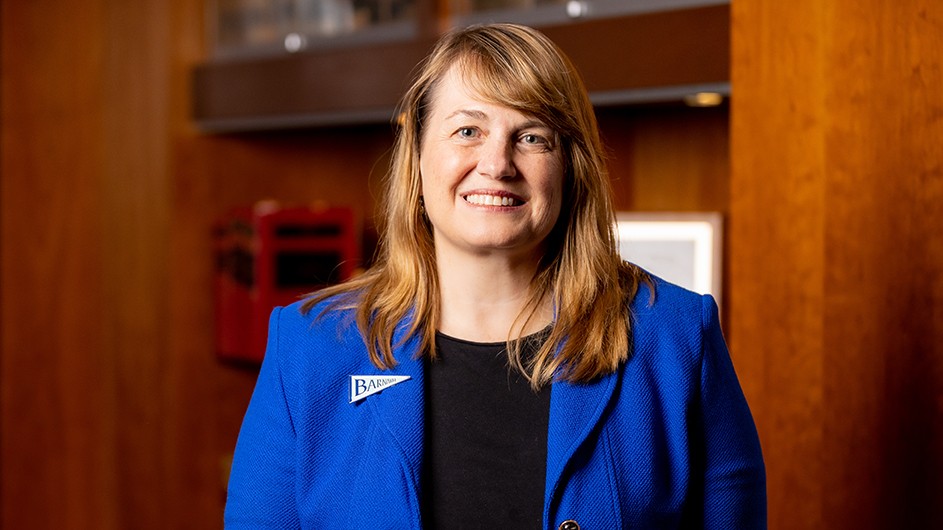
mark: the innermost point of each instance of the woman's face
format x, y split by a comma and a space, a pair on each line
492, 178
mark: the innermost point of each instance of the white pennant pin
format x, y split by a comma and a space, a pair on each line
362, 386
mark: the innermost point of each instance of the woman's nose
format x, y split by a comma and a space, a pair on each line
496, 159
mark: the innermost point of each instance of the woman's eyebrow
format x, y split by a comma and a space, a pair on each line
481, 115
535, 123
475, 114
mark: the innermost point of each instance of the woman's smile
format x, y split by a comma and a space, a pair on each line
493, 199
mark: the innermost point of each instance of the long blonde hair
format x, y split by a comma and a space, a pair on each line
581, 271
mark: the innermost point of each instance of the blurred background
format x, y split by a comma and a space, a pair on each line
130, 128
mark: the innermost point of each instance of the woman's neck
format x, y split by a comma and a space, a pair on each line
481, 297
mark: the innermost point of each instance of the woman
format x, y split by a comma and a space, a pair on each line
499, 365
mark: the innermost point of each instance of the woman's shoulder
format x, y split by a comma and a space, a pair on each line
659, 298
324, 333
314, 313
666, 316
302, 315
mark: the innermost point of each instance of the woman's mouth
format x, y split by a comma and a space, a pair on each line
482, 199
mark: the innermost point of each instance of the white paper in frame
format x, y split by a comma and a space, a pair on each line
682, 248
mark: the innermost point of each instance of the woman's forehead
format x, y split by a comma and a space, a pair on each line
461, 76
455, 99
465, 79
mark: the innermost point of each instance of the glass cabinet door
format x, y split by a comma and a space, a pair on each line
259, 27
266, 27
548, 12
487, 5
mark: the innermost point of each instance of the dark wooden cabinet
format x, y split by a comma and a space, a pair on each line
654, 56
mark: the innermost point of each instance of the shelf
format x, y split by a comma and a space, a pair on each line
625, 60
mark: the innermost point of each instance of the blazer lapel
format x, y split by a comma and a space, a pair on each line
400, 408
575, 411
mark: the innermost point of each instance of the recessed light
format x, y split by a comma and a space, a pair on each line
704, 99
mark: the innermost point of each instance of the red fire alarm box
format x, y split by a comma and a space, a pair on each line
268, 256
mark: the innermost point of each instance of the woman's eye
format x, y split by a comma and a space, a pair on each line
466, 132
535, 140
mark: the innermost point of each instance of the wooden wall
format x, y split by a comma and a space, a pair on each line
86, 205
836, 200
114, 412
668, 158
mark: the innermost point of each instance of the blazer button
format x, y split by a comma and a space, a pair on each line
569, 524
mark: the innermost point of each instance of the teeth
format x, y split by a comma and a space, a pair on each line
490, 200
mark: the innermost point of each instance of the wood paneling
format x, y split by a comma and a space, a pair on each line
136, 209
349, 85
836, 260
56, 469
663, 48
667, 158
115, 411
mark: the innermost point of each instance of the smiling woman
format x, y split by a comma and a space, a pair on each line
523, 375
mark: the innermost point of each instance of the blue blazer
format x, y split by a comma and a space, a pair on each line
665, 442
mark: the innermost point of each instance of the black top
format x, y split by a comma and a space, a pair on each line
486, 439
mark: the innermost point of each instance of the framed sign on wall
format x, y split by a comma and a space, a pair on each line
683, 248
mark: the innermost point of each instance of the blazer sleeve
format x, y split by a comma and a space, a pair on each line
734, 486
261, 490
